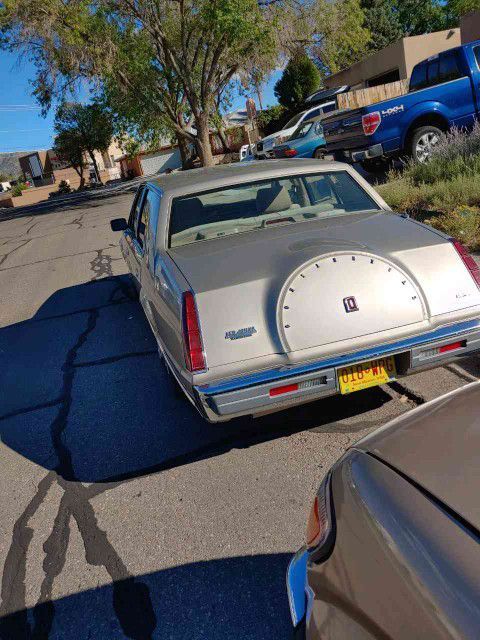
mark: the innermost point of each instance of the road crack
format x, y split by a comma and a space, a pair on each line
131, 597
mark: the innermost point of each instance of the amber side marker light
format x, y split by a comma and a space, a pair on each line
320, 525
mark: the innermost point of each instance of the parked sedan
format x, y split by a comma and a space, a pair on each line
265, 147
393, 538
270, 284
306, 142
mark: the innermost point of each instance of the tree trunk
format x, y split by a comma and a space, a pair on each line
203, 141
187, 153
94, 160
223, 139
79, 169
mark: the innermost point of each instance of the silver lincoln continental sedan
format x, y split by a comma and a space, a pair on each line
273, 284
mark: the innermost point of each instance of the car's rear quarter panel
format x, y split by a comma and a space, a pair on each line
400, 567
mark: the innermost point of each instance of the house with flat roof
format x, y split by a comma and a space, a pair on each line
396, 61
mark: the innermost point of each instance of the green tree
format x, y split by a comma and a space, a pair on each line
89, 124
299, 79
417, 17
341, 37
457, 8
68, 147
190, 49
381, 19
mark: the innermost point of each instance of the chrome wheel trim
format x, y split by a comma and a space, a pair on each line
425, 143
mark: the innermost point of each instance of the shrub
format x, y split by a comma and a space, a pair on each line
64, 187
462, 223
456, 154
272, 119
18, 188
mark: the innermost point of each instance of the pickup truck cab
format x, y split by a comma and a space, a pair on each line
444, 91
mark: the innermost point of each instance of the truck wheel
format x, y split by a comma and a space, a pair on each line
319, 153
422, 142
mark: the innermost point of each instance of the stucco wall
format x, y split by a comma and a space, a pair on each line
470, 27
402, 55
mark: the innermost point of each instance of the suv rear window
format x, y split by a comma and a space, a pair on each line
258, 205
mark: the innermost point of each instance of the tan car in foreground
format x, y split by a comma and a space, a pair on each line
393, 538
270, 284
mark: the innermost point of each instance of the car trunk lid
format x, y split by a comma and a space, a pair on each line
375, 275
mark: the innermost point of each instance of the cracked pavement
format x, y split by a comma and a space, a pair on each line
123, 514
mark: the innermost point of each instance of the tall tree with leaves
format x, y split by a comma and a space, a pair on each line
69, 148
89, 124
193, 47
299, 79
381, 19
417, 17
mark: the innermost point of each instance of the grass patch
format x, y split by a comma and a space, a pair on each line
444, 192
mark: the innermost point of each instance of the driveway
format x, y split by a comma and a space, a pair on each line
124, 515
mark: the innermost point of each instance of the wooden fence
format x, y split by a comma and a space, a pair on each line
364, 97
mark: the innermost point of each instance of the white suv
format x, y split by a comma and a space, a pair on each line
264, 147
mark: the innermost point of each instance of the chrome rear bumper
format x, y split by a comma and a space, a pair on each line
251, 394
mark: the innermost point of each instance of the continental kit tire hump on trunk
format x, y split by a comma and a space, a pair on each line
343, 296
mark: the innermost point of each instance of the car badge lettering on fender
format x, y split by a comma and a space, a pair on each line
350, 304
246, 332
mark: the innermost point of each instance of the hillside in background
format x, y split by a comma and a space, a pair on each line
9, 165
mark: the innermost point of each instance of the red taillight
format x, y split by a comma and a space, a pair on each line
285, 389
467, 260
290, 153
371, 122
192, 339
451, 347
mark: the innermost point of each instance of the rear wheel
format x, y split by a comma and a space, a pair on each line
423, 140
319, 153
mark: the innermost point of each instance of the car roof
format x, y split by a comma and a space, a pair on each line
437, 446
205, 178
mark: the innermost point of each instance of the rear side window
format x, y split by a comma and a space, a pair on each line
476, 52
433, 73
442, 68
449, 69
419, 77
329, 107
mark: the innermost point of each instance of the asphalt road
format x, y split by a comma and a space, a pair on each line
123, 514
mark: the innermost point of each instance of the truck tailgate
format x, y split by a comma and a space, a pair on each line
343, 126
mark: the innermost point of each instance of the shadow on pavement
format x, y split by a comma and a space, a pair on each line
240, 598
84, 393
85, 396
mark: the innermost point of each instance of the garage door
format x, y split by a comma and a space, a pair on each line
159, 162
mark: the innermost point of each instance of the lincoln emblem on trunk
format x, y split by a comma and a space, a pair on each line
350, 304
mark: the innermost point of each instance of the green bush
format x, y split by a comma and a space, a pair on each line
456, 154
18, 188
272, 119
443, 196
64, 187
462, 223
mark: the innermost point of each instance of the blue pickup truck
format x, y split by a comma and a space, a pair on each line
444, 91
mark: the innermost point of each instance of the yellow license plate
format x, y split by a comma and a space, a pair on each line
356, 377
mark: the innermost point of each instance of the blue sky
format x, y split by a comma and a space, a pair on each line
22, 127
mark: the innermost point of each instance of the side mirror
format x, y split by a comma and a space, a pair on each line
118, 224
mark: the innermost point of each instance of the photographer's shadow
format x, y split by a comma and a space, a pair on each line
85, 393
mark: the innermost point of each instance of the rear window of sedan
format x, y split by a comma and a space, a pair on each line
258, 205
